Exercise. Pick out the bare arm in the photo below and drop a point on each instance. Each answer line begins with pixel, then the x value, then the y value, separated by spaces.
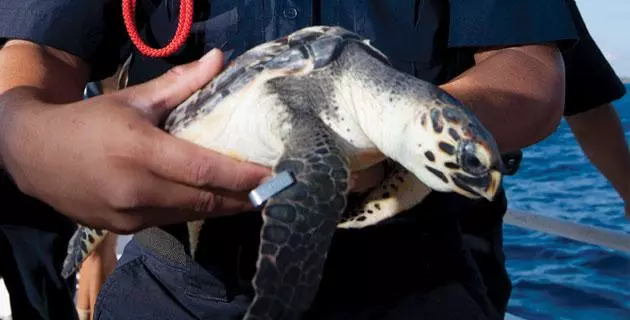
pixel 50 75
pixel 600 134
pixel 515 92
pixel 43 74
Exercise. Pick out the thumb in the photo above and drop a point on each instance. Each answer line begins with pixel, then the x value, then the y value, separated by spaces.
pixel 158 96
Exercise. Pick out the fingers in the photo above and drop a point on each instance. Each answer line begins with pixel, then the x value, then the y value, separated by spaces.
pixel 156 97
pixel 185 162
pixel 164 202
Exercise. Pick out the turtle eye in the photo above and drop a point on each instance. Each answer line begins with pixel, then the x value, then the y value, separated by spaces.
pixel 470 161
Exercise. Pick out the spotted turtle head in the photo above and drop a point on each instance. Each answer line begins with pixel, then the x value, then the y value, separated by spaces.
pixel 452 151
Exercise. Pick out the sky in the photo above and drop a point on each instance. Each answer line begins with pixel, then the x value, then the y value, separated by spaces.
pixel 608 22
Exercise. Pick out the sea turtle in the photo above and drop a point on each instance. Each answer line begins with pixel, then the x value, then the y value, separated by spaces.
pixel 321 103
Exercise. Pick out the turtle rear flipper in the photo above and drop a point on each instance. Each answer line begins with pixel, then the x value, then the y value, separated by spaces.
pixel 299 222
pixel 399 191
pixel 82 243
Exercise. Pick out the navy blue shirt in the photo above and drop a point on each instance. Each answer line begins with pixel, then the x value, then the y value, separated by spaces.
pixel 415 34
pixel 591 80
pixel 431 39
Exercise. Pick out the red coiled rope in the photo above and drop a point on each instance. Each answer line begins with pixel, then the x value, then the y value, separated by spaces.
pixel 184 25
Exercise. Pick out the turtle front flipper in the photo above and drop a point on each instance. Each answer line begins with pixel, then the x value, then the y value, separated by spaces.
pixel 82 243
pixel 299 222
pixel 399 191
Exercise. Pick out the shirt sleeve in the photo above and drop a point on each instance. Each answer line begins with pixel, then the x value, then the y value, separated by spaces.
pixel 590 79
pixel 89 29
pixel 487 23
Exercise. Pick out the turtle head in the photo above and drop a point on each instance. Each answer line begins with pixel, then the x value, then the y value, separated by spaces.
pixel 450 151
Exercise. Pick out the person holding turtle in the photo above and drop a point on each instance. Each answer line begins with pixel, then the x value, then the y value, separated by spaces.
pixel 104 163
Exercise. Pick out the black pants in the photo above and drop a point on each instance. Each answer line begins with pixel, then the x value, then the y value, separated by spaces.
pixel 33 244
pixel 482 229
pixel 412 269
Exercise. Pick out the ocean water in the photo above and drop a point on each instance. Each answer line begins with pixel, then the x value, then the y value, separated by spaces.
pixel 556 278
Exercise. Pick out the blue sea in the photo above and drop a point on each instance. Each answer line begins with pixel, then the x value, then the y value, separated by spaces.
pixel 556 278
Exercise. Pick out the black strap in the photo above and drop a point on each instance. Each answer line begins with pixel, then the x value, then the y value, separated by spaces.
pixel 512 162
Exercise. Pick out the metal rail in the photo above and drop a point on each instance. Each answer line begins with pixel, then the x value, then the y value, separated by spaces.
pixel 599 236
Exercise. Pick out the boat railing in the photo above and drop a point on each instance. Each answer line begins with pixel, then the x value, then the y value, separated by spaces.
pixel 607 238
pixel 604 237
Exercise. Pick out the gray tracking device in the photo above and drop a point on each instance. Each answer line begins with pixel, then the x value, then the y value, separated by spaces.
pixel 270 188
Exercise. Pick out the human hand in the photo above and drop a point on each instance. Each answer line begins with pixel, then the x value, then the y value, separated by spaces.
pixel 105 163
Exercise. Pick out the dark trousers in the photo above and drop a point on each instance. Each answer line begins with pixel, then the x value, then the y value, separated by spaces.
pixel 33 243
pixel 30 264
pixel 397 272
pixel 482 230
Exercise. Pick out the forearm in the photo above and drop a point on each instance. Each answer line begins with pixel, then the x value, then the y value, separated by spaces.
pixel 58 77
pixel 32 76
pixel 514 92
pixel 600 134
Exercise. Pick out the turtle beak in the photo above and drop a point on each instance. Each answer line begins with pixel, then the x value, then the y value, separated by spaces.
pixel 496 178
pixel 486 186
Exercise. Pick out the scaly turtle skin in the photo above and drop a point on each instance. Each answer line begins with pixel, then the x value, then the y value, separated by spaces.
pixel 322 103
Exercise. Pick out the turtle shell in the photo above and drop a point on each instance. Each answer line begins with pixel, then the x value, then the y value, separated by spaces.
pixel 245 68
